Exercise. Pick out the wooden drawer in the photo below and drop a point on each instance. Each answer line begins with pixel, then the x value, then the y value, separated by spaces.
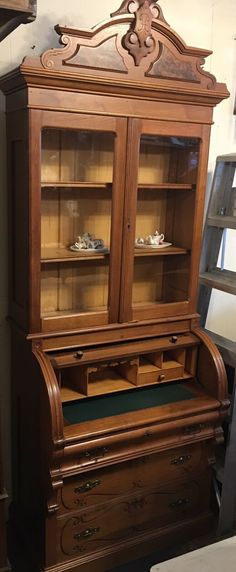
pixel 86 355
pixel 147 375
pixel 83 454
pixel 133 515
pixel 99 486
pixel 172 372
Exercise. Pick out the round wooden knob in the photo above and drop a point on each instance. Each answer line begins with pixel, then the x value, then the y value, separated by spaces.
pixel 79 354
pixel 161 377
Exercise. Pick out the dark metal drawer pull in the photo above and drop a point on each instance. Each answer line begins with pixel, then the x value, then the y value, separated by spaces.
pixel 86 533
pixel 87 487
pixel 99 452
pixel 181 460
pixel 180 503
pixel 192 429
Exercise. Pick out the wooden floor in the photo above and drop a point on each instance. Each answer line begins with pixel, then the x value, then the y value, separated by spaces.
pixel 18 563
pixel 144 564
pixel 217 557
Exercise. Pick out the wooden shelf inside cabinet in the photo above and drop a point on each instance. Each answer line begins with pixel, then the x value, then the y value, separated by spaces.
pixel 75 185
pixel 52 255
pixel 167 186
pixel 72 313
pixel 168 251
pixel 111 384
pixel 69 394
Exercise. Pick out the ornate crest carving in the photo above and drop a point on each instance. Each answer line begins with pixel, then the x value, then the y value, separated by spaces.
pixel 135 45
pixel 139 40
pixel 129 6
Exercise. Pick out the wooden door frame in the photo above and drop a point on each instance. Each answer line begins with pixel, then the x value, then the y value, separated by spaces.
pixel 137 127
pixel 39 120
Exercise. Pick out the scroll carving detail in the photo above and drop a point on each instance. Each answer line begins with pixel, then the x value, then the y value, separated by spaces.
pixel 136 43
pixel 131 5
pixel 139 40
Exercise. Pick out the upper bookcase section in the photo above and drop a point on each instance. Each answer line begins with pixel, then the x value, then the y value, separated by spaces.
pixel 134 50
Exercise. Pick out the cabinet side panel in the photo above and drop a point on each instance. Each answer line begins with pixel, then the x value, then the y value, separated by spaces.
pixel 18 219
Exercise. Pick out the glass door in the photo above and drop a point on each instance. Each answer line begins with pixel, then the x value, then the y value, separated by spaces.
pixel 81 204
pixel 162 234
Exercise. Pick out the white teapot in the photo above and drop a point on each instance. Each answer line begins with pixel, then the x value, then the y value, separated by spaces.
pixel 155 239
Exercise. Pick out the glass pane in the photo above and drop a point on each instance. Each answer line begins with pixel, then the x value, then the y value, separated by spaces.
pixel 223 201
pixel 160 280
pixel 85 156
pixel 74 288
pixel 168 159
pixel 164 218
pixel 76 199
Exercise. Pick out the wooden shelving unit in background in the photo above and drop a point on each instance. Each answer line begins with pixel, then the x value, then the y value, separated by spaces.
pixel 15 12
pixel 215 275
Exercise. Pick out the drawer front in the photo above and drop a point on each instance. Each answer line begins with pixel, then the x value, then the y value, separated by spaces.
pixel 102 485
pixel 168 374
pixel 105 524
pixel 164 374
pixel 86 356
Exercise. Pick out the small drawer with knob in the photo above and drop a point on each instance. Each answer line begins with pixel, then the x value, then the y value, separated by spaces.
pixel 167 365
pixel 149 372
pixel 171 371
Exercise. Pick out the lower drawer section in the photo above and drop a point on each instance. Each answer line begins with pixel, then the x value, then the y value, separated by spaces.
pixel 150 471
pixel 106 524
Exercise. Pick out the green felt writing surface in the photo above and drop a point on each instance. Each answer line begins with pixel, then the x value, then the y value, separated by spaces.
pixel 118 403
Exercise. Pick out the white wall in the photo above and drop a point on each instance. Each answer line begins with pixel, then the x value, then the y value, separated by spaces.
pixel 205 23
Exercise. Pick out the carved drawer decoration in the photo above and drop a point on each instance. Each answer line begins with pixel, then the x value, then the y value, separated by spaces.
pixel 100 486
pixel 113 522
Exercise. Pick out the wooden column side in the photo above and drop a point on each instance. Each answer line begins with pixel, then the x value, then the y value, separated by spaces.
pixel 132 164
pixel 34 138
pixel 198 217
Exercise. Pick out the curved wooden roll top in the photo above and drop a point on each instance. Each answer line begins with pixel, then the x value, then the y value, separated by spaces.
pixel 124 436
pixel 209 377
pixel 211 371
pixel 51 397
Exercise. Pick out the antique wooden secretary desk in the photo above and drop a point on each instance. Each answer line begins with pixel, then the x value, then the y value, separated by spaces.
pixel 118 396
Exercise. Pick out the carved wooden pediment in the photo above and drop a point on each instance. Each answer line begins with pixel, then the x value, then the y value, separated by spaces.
pixel 136 41
pixel 135 48
pixel 139 40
